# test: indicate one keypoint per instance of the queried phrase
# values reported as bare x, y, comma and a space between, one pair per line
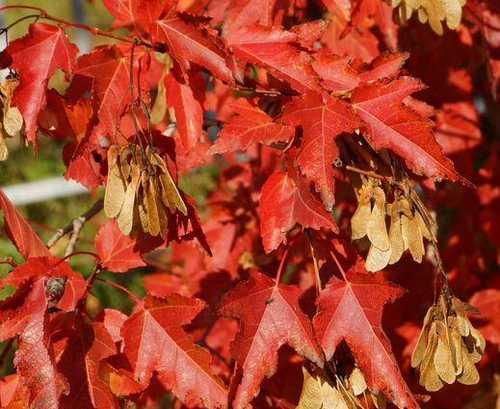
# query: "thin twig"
93, 30
79, 253
7, 28
339, 266
74, 227
372, 174
315, 264
9, 261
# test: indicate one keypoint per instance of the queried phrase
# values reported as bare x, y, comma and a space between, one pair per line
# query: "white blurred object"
42, 190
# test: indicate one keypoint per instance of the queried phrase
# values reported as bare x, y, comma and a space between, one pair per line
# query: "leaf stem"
317, 277
9, 261
375, 175
19, 20
281, 267
79, 253
339, 266
75, 226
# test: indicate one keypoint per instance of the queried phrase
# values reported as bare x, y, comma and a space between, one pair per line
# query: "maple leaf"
273, 49
392, 125
25, 315
340, 8
249, 125
381, 14
20, 232
243, 13
37, 267
269, 316
488, 303
285, 201
457, 127
64, 119
155, 341
188, 111
110, 70
138, 13
83, 165
336, 73
12, 393
351, 311
80, 347
321, 121
118, 252
384, 66
359, 43
189, 45
113, 321
50, 49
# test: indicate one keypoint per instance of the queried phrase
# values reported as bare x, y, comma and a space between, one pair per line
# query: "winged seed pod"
433, 12
358, 386
407, 226
318, 393
140, 192
448, 346
12, 120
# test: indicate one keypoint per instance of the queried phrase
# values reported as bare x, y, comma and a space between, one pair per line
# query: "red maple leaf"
138, 13
384, 66
286, 201
274, 50
487, 301
44, 43
155, 341
269, 316
84, 163
321, 121
20, 232
71, 282
117, 252
188, 111
189, 45
25, 315
351, 311
249, 125
109, 68
245, 13
390, 124
80, 347
336, 73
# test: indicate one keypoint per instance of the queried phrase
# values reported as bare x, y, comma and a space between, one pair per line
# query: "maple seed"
410, 224
140, 192
319, 393
432, 11
12, 120
448, 346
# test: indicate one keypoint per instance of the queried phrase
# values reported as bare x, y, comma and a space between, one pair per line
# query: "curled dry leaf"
140, 191
448, 346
